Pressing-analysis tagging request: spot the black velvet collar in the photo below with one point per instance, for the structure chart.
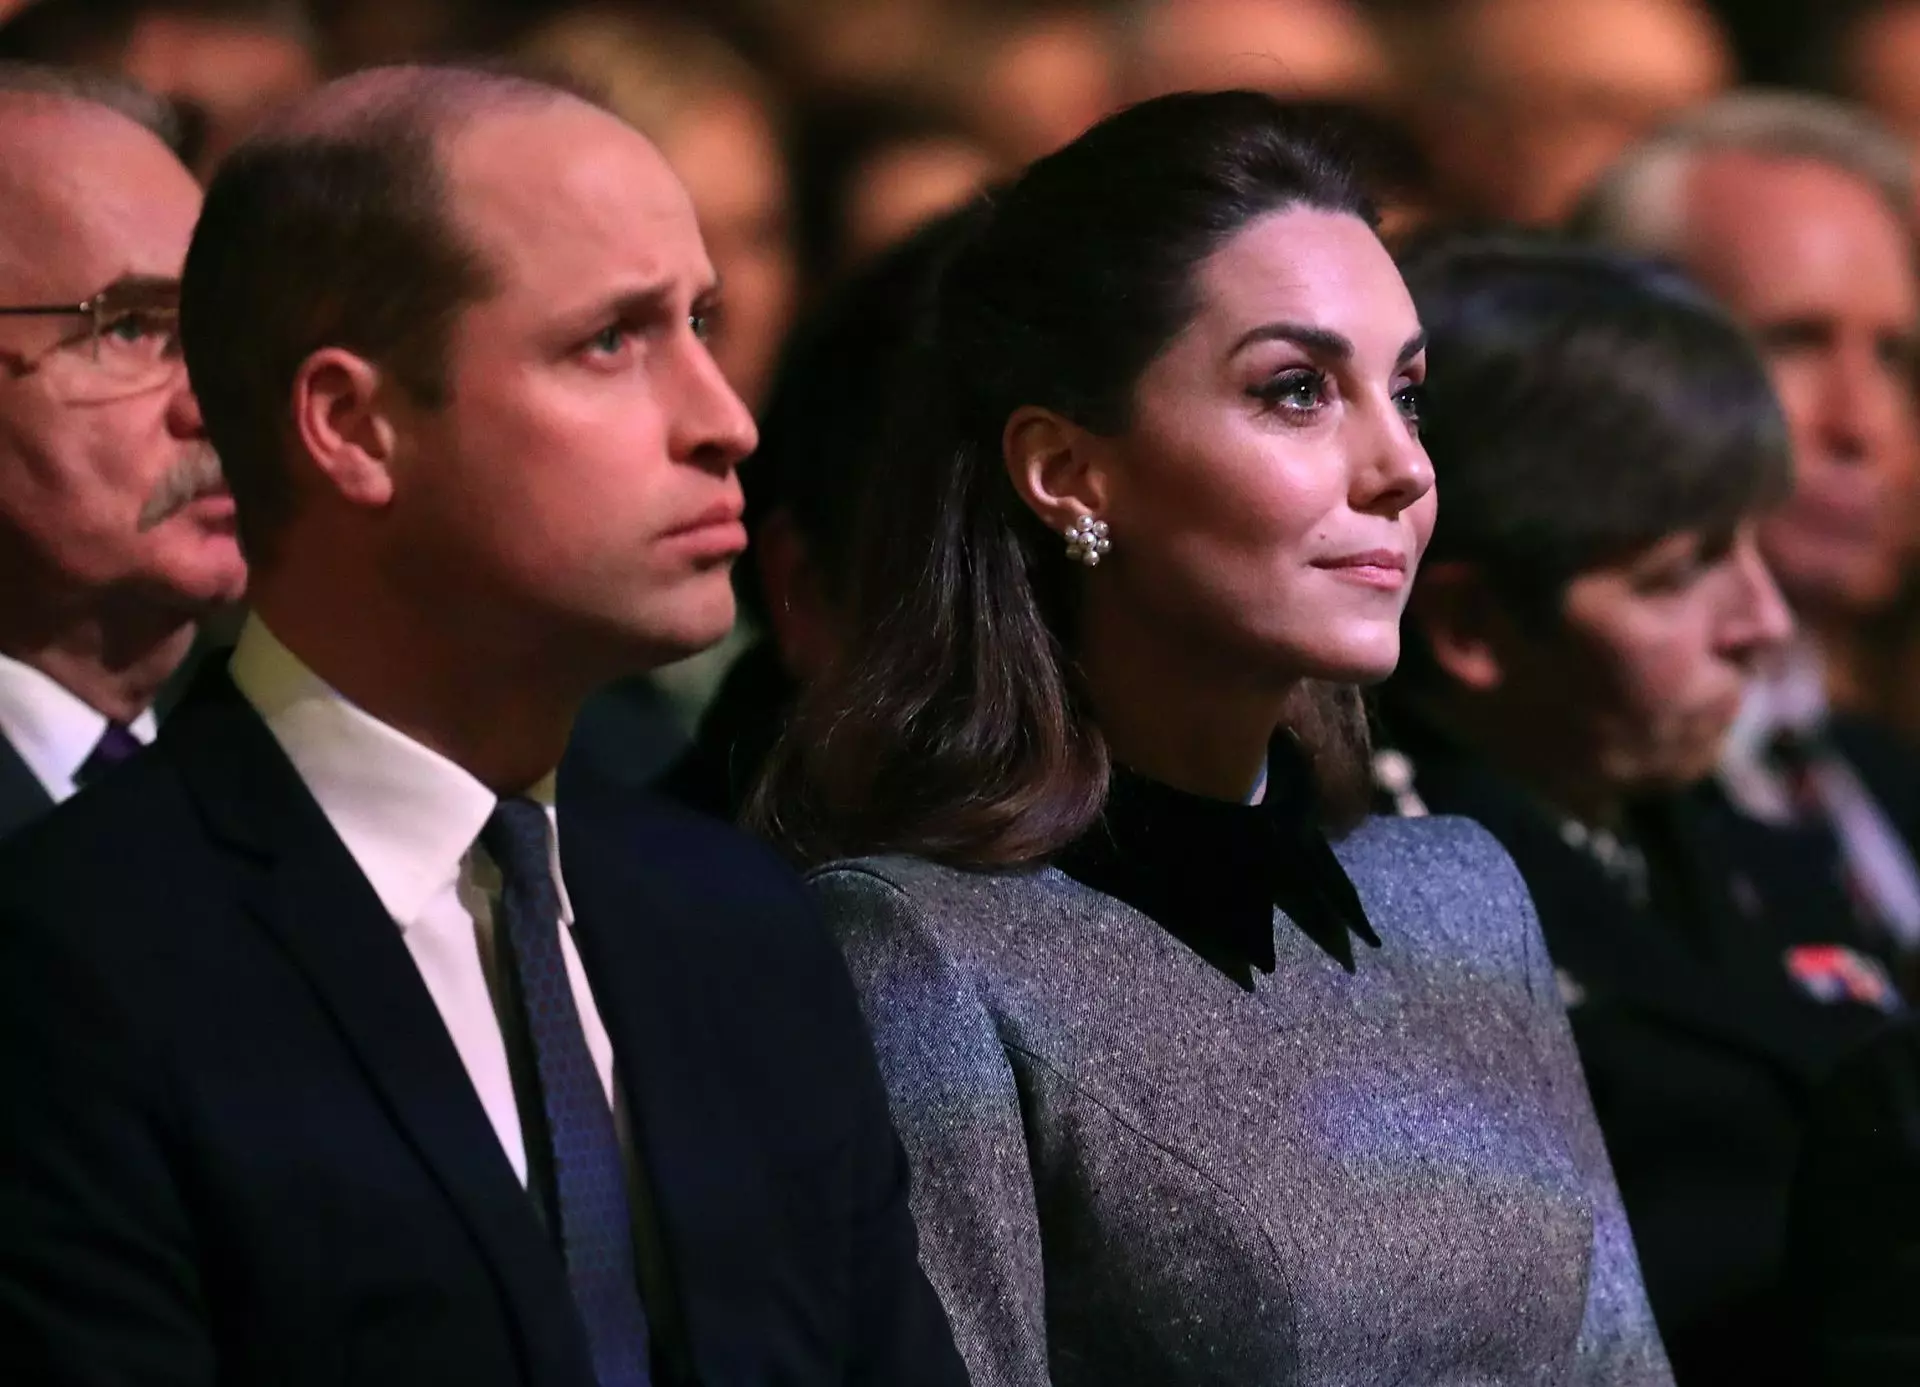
(1211, 872)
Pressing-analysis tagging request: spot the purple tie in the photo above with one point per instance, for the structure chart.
(589, 1172)
(116, 744)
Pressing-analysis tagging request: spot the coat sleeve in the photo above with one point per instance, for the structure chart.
(957, 1110)
(98, 1276)
(1619, 1343)
(1855, 1224)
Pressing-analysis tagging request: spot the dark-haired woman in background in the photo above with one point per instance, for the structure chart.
(822, 433)
(1578, 642)
(1191, 1095)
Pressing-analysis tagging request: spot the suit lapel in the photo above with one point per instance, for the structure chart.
(302, 886)
(22, 797)
(696, 1144)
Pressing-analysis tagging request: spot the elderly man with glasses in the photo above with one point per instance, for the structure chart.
(116, 533)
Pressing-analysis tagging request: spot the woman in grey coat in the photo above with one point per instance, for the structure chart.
(1192, 1093)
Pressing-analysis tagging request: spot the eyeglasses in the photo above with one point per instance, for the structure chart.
(129, 342)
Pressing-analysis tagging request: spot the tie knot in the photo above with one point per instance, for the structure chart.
(1793, 749)
(116, 745)
(517, 838)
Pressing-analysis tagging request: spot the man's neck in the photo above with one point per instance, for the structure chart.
(114, 663)
(504, 719)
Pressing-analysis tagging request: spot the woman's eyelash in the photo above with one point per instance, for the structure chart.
(1291, 382)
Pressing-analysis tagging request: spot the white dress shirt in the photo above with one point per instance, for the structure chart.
(54, 731)
(1792, 697)
(411, 820)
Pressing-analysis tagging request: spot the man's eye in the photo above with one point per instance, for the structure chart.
(140, 335)
(608, 340)
(133, 327)
(702, 323)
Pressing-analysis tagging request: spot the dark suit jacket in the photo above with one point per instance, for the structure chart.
(1701, 1054)
(238, 1145)
(22, 797)
(1856, 1220)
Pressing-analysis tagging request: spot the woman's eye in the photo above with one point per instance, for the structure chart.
(1673, 577)
(1299, 392)
(1411, 401)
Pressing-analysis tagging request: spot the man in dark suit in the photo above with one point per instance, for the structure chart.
(334, 1046)
(116, 534)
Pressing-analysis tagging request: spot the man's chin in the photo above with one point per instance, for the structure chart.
(681, 635)
(208, 581)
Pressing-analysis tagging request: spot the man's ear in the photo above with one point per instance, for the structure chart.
(1054, 466)
(340, 418)
(1466, 626)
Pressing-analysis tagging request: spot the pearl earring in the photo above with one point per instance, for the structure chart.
(1087, 540)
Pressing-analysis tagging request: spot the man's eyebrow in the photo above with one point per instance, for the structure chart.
(142, 284)
(647, 300)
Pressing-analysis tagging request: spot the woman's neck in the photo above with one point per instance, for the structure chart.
(1165, 719)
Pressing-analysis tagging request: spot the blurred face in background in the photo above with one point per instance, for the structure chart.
(1044, 82)
(1637, 681)
(1525, 102)
(1818, 267)
(107, 481)
(1880, 66)
(725, 151)
(1312, 49)
(230, 73)
(903, 186)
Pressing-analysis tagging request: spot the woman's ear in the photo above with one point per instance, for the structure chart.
(1466, 627)
(1056, 466)
(340, 418)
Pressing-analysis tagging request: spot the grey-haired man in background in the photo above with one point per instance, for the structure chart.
(116, 534)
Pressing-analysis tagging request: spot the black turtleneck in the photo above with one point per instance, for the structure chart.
(1211, 872)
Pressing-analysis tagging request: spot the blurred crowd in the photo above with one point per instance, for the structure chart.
(813, 133)
(1666, 639)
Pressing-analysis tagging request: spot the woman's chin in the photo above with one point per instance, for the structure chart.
(1364, 658)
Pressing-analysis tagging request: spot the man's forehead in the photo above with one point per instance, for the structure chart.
(1783, 230)
(87, 195)
(569, 191)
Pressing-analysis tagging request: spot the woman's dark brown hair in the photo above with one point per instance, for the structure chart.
(954, 728)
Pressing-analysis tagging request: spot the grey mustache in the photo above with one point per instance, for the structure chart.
(197, 474)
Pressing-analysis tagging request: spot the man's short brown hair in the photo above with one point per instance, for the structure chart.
(330, 228)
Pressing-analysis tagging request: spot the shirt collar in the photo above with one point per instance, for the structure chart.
(51, 727)
(408, 816)
(1789, 694)
(1212, 872)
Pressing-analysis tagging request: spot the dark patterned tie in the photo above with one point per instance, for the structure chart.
(589, 1175)
(116, 744)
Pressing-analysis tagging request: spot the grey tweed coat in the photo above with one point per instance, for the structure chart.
(1129, 1170)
